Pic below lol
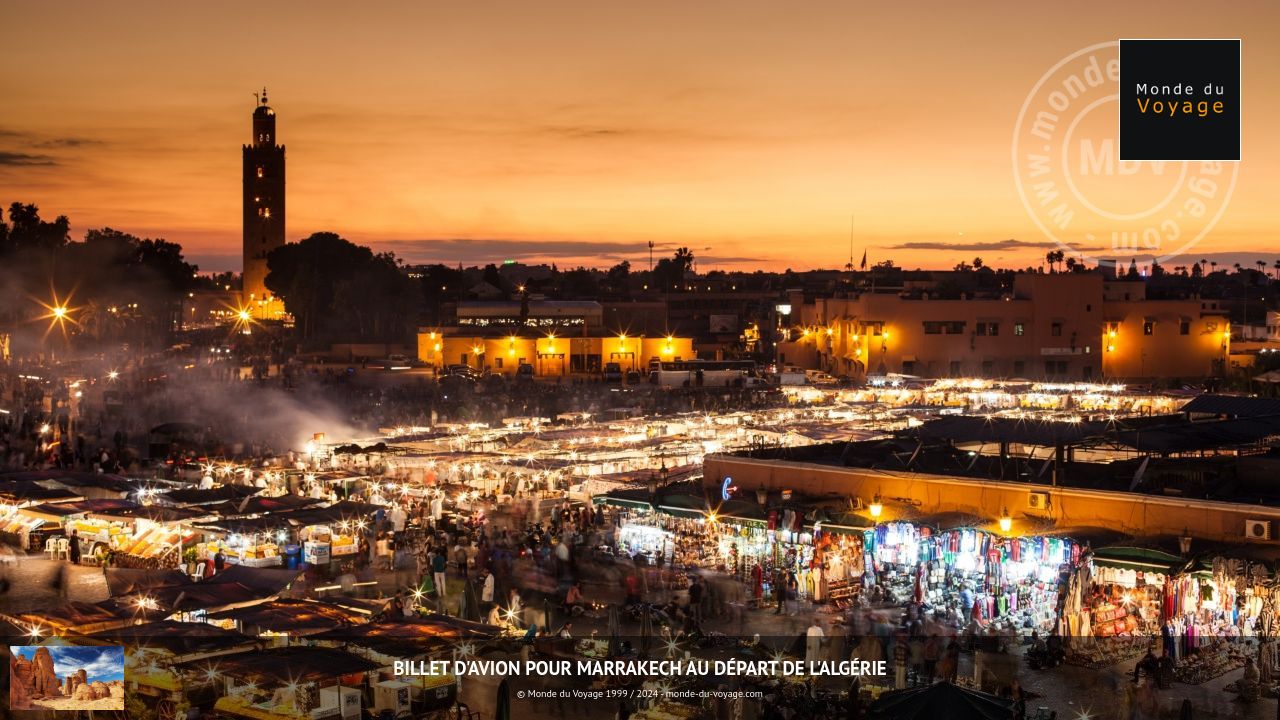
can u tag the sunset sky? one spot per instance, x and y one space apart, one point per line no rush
577 132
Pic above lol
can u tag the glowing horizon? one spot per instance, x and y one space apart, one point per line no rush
577 133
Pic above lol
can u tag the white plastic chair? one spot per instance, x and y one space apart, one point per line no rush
199 573
64 548
51 547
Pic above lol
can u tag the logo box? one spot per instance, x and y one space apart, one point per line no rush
1180 99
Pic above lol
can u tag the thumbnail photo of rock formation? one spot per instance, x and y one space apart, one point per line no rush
61 677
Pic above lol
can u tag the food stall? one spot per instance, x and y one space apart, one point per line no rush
290 682
325 543
152 651
97 533
252 542
158 534
250 550
24 531
331 534
434 637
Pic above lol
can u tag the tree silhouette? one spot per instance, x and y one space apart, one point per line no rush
669 273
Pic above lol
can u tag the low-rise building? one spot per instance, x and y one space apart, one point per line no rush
1071 326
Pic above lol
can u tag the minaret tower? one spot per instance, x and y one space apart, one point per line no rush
263 210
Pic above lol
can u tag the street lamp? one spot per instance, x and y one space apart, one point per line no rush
876 507
1006 522
1184 543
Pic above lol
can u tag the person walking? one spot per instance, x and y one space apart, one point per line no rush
695 598
899 662
813 643
439 564
486 591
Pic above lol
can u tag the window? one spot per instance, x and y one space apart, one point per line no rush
955 368
462 359
1019 368
988 368
259 171
1148 328
1184 327
987 329
1087 373
1019 329
1056 329
943 327
497 362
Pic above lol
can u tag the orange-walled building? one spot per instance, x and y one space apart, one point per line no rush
549 354
1067 327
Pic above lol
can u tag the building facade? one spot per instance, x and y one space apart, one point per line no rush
555 337
264 211
550 355
1068 327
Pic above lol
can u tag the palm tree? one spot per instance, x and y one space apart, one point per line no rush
1262 266
1277 267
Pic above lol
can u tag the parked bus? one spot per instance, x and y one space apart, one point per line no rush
705 373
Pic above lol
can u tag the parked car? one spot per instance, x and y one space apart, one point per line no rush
524 373
612 372
463 371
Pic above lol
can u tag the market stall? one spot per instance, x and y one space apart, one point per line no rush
969 574
435 637
157 538
24 531
97 532
243 542
1121 601
325 543
292 682
152 651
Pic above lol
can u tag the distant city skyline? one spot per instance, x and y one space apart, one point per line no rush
576 133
